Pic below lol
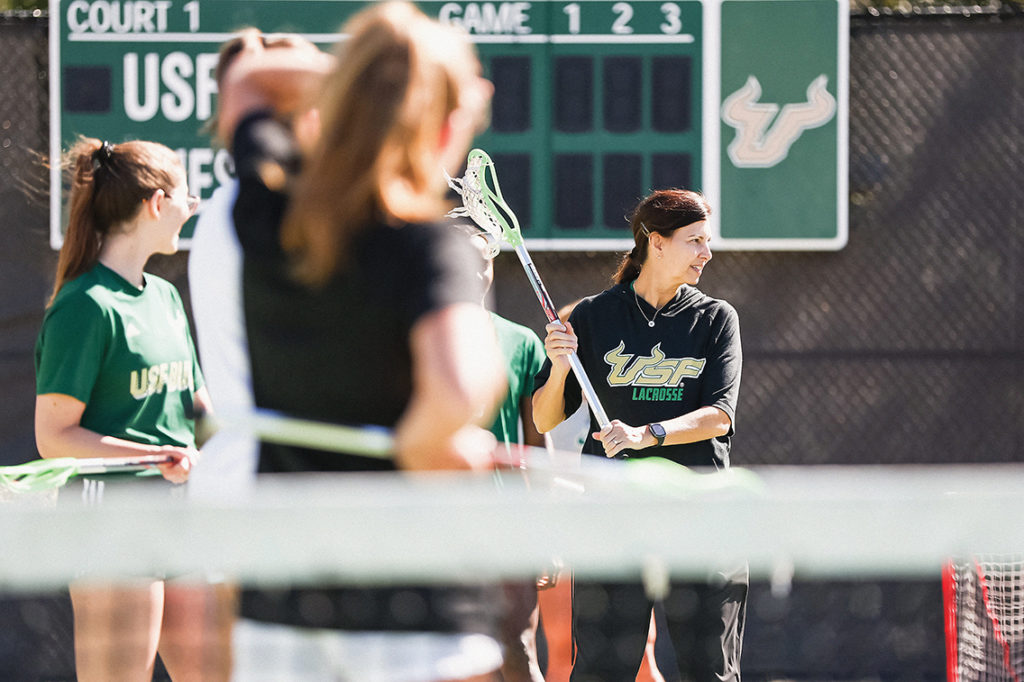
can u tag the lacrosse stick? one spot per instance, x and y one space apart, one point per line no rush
47 474
483 203
653 474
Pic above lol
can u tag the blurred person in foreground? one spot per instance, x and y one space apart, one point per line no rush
669 360
362 306
215 281
117 376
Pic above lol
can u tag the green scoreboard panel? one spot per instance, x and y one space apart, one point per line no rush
596 103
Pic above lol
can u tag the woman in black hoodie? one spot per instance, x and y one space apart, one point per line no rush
665 362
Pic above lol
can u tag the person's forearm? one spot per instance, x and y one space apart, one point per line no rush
549 401
427 439
77 441
440 428
703 423
531 436
422 436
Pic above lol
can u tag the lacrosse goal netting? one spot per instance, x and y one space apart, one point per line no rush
984 617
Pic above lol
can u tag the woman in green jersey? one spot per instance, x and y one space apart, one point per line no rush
116 375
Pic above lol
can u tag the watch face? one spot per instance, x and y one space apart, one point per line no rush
658 431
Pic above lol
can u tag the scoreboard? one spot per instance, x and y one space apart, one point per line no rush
596 103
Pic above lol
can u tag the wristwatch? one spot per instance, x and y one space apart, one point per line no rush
658 431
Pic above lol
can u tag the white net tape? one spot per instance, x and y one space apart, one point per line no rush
827 521
799 524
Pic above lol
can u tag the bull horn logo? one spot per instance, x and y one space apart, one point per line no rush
757 146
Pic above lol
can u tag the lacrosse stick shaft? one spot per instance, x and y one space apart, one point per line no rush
375 441
104 465
274 427
369 441
549 310
652 473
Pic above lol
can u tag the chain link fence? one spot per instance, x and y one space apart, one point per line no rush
26 260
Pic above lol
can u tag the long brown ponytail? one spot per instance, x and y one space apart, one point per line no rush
663 211
107 186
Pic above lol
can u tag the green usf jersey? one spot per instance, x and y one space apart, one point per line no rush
524 356
124 352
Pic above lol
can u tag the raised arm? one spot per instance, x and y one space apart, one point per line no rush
285 80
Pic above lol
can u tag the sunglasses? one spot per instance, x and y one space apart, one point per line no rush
191 202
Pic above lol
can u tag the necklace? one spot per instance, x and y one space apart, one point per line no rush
650 320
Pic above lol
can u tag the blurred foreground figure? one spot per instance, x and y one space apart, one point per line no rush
363 307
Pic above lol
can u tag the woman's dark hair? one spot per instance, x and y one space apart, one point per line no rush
109 182
663 211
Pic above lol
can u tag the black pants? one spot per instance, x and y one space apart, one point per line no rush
705 623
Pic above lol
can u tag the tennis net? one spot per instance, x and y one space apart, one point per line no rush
791 526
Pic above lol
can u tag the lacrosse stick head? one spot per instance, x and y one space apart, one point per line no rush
42 474
482 201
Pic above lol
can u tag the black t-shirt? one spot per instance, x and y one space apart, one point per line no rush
690 358
341 354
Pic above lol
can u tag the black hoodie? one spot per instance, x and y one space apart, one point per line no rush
690 358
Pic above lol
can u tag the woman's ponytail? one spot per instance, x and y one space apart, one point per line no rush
629 267
82 239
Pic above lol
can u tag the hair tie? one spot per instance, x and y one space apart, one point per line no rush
102 155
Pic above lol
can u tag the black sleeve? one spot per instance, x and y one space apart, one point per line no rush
721 385
266 160
441 268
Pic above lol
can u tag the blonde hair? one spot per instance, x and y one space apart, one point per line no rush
108 183
399 77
